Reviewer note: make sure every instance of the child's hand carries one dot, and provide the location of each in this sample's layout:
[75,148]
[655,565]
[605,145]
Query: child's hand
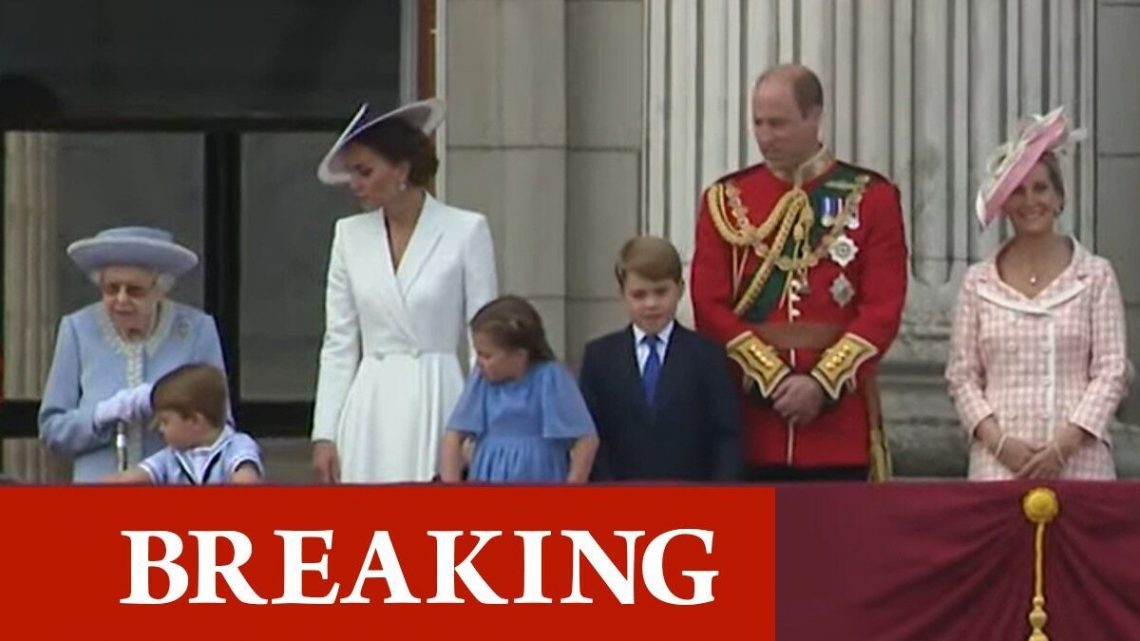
[451,456]
[134,476]
[582,459]
[468,451]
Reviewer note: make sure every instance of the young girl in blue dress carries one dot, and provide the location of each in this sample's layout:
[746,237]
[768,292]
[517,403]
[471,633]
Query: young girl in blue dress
[521,406]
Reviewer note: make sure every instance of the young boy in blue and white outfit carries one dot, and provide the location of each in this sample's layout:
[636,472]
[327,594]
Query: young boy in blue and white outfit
[201,449]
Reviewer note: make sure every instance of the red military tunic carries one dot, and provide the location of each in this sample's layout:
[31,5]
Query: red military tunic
[809,280]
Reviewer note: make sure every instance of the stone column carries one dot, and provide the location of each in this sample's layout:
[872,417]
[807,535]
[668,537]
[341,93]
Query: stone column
[605,58]
[30,314]
[506,140]
[920,90]
[1117,188]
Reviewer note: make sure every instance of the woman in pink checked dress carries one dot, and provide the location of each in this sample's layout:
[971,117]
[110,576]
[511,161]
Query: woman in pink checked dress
[1038,359]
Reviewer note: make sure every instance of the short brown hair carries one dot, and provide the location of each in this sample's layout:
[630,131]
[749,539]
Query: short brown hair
[513,323]
[397,141]
[191,389]
[806,87]
[650,257]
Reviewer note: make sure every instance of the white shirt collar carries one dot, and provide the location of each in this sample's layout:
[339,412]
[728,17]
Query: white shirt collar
[203,450]
[663,335]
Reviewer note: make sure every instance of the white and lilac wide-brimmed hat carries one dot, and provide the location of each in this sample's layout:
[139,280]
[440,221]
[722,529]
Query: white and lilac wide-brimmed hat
[425,115]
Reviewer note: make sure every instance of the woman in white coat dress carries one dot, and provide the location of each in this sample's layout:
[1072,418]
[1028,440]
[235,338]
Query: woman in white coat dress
[404,278]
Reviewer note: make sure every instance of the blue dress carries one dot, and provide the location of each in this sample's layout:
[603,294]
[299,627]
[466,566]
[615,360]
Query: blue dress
[91,363]
[524,428]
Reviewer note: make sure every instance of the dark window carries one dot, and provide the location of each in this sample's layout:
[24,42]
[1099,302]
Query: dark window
[208,119]
[207,58]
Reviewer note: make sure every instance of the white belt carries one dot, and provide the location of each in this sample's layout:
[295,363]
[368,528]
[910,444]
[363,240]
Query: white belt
[410,352]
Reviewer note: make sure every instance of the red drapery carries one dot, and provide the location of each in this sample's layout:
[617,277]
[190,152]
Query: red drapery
[954,561]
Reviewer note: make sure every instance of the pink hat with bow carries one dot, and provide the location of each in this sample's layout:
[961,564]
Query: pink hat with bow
[1012,161]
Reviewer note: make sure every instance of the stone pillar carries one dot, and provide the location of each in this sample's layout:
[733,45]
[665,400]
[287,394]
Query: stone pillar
[604,68]
[30,314]
[920,90]
[506,140]
[1117,188]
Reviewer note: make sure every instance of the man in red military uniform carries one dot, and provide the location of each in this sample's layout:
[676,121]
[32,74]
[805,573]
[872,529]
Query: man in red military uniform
[800,270]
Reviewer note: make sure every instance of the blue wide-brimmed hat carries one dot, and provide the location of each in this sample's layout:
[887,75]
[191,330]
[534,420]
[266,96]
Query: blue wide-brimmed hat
[425,115]
[147,247]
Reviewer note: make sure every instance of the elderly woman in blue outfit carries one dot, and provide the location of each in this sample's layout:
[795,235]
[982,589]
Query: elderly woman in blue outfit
[108,353]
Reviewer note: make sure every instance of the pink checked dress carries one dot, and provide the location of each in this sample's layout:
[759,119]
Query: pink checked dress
[1038,363]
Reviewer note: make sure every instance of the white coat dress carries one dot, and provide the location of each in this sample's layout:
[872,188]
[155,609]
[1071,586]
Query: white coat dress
[389,366]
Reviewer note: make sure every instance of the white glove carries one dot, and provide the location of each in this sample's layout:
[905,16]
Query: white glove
[139,410]
[112,410]
[129,405]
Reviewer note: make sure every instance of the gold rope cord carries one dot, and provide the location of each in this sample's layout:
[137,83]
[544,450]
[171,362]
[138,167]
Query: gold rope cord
[792,206]
[792,215]
[1040,506]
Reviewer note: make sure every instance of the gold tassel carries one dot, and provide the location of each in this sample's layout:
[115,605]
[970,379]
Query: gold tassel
[881,471]
[1040,506]
[881,468]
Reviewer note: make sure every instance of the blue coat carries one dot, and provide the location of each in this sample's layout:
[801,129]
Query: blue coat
[91,363]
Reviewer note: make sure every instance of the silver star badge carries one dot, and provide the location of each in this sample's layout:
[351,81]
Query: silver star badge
[843,250]
[842,291]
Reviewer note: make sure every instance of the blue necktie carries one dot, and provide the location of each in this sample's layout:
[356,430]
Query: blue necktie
[652,369]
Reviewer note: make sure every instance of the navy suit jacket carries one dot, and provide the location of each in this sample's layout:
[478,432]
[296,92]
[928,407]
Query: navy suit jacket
[691,433]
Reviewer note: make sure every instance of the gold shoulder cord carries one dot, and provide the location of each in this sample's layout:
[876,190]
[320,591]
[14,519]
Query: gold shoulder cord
[735,238]
[793,214]
[740,233]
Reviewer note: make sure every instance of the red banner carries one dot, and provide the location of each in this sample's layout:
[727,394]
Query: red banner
[402,562]
[958,561]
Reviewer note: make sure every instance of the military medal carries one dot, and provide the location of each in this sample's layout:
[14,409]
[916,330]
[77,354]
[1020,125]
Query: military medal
[843,250]
[831,209]
[842,291]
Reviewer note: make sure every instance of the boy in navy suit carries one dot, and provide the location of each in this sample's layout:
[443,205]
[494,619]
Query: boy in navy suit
[661,395]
